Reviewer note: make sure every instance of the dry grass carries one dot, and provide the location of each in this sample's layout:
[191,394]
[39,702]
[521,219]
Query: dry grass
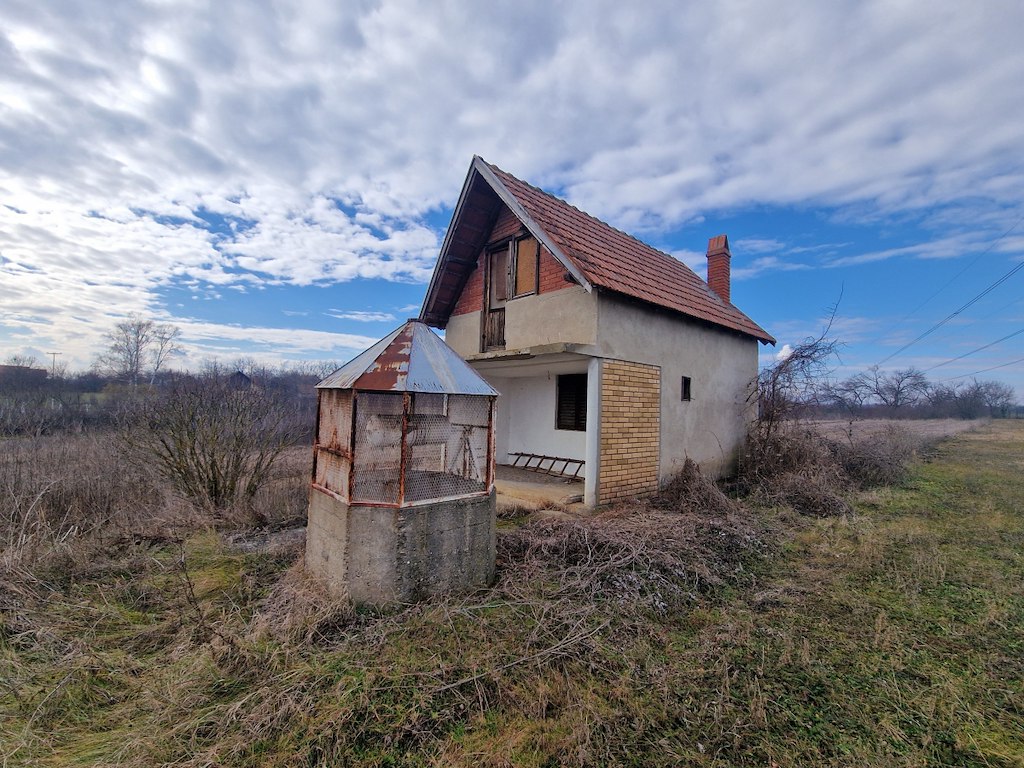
[815,467]
[927,430]
[692,630]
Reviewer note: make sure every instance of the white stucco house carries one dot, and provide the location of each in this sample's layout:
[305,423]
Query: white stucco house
[605,351]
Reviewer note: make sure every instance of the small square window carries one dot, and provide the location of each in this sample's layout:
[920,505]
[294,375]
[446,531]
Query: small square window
[571,412]
[686,388]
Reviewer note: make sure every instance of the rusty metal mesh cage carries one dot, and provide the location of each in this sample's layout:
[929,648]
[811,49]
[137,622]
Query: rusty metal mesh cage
[377,454]
[447,443]
[333,457]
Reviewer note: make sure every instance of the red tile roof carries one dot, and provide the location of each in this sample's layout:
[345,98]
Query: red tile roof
[611,259]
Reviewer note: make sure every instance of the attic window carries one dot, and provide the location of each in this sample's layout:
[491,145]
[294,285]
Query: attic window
[525,252]
[686,389]
[572,402]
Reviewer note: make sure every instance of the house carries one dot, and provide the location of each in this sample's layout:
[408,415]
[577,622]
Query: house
[605,350]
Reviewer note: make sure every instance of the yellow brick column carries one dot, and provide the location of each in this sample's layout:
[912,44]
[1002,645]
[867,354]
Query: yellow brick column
[630,430]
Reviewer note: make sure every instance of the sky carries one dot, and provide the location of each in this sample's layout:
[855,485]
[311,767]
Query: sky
[275,178]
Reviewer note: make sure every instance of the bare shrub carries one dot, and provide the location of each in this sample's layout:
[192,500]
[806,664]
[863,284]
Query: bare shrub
[787,461]
[633,553]
[56,491]
[217,444]
[810,494]
[881,459]
[690,490]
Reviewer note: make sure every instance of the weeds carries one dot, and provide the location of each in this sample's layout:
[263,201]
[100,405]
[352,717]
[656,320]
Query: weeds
[691,630]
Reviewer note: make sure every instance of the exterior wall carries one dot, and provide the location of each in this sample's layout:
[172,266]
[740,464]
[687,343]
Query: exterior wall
[629,430]
[382,555]
[711,427]
[531,427]
[567,315]
[463,334]
[524,421]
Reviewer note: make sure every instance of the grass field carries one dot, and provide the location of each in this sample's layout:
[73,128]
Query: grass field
[892,637]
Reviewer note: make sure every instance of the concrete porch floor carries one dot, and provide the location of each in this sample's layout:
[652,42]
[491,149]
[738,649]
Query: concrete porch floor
[534,490]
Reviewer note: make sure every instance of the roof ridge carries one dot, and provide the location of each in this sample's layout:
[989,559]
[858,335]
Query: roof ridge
[634,238]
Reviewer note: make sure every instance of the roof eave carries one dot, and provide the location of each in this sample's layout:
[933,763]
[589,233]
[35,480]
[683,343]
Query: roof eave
[442,259]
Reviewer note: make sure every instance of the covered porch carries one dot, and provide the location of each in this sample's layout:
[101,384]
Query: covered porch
[549,406]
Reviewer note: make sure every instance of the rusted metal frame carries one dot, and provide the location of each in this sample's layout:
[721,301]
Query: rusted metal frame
[490,442]
[423,502]
[316,436]
[352,445]
[404,456]
[381,504]
[418,502]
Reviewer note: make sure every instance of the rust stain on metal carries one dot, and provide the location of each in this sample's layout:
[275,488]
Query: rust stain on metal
[391,369]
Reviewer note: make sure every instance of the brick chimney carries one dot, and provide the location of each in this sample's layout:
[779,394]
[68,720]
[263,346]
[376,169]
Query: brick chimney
[718,266]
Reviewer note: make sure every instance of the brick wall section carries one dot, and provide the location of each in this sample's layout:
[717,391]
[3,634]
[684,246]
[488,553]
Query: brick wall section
[472,297]
[506,225]
[552,274]
[630,430]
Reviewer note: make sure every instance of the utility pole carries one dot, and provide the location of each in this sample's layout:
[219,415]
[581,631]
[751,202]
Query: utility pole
[53,370]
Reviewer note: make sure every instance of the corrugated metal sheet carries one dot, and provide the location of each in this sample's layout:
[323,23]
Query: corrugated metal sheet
[411,358]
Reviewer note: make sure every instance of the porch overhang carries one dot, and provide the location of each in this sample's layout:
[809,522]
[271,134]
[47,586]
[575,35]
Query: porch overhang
[526,353]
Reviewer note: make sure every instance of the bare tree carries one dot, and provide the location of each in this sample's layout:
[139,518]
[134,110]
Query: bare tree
[851,394]
[898,388]
[792,384]
[998,397]
[165,345]
[136,344]
[21,361]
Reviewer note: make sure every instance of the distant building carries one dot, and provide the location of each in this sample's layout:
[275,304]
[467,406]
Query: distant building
[20,377]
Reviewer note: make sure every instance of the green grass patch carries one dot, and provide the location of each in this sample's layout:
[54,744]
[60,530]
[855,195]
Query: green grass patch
[892,637]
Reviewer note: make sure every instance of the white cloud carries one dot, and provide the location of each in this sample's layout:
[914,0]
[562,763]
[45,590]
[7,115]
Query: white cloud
[765,264]
[325,133]
[362,316]
[784,352]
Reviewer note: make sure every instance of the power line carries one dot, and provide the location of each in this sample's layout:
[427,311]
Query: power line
[979,349]
[950,316]
[985,370]
[974,261]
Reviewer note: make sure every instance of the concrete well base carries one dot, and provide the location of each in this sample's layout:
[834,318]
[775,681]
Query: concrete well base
[383,555]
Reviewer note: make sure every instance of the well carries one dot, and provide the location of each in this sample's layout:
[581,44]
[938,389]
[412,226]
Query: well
[402,499]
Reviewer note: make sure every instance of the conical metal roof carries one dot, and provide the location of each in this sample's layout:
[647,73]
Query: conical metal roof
[411,358]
